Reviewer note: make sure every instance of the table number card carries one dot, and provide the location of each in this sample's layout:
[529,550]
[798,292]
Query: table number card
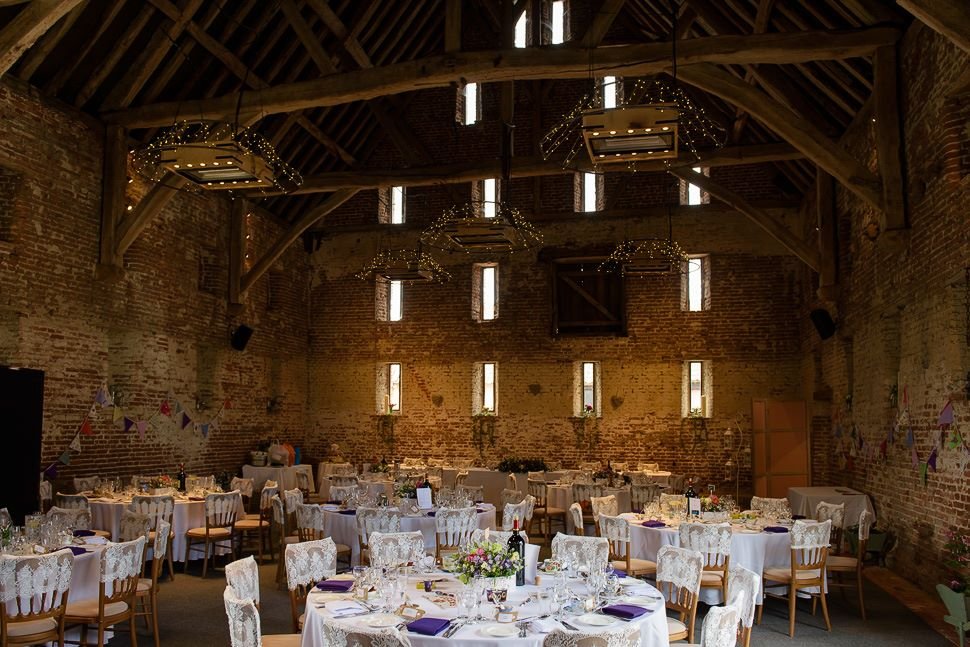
[424,498]
[695,506]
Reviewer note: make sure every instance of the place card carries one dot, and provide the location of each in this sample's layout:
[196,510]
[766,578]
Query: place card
[409,612]
[424,498]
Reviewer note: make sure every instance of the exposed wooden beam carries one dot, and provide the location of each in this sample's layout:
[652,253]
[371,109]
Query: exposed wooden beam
[341,32]
[826,226]
[796,130]
[763,16]
[452,25]
[113,183]
[116,52]
[521,167]
[307,37]
[67,69]
[27,26]
[43,47]
[602,21]
[889,141]
[147,208]
[948,17]
[518,64]
[291,235]
[805,252]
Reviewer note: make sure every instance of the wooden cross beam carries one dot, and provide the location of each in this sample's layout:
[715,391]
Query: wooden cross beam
[889,140]
[27,26]
[948,17]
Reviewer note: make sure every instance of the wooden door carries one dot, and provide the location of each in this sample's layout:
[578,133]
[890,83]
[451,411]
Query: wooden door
[780,450]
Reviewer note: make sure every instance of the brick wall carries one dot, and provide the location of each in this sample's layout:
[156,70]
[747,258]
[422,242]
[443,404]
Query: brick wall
[902,319]
[154,332]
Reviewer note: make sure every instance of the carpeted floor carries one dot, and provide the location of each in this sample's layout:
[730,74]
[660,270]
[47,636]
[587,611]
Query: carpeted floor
[192,614]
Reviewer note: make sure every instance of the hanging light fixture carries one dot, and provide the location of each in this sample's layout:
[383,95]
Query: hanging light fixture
[405,265]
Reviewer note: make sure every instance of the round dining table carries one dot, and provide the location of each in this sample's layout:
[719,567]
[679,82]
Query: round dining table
[524,600]
[342,526]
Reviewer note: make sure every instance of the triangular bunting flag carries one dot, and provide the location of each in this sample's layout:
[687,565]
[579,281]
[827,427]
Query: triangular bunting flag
[955,440]
[185,420]
[205,429]
[922,473]
[102,397]
[142,426]
[165,408]
[909,437]
[117,415]
[129,423]
[51,471]
[946,415]
[65,458]
[914,457]
[86,428]
[931,461]
[75,445]
[227,404]
[178,408]
[93,411]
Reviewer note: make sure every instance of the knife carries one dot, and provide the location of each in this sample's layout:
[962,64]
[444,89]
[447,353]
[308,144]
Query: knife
[567,625]
[455,627]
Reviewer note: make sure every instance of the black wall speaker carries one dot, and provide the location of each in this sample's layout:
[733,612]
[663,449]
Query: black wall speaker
[823,322]
[240,337]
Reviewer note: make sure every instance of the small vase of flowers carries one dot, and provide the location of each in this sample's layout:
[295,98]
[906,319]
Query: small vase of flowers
[489,559]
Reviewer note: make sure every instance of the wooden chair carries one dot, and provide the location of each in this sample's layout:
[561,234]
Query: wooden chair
[742,592]
[146,595]
[283,536]
[836,512]
[616,530]
[245,487]
[679,580]
[809,550]
[392,549]
[158,508]
[307,563]
[121,566]
[576,512]
[720,627]
[542,511]
[86,483]
[370,520]
[453,527]
[309,524]
[257,527]
[220,520]
[621,635]
[522,511]
[343,492]
[714,543]
[244,625]
[512,496]
[291,499]
[584,554]
[35,591]
[840,565]
[601,505]
[586,492]
[643,495]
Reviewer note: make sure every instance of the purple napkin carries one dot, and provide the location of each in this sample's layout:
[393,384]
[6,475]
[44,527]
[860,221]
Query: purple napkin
[347,512]
[619,573]
[653,523]
[796,517]
[77,550]
[335,586]
[334,502]
[775,529]
[431,514]
[625,611]
[429,626]
[84,533]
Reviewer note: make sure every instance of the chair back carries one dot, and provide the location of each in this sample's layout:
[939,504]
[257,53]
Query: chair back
[742,582]
[453,527]
[835,512]
[279,516]
[266,501]
[134,525]
[71,501]
[309,522]
[342,492]
[679,573]
[46,491]
[720,628]
[307,563]
[809,549]
[221,509]
[712,541]
[537,488]
[303,480]
[521,511]
[772,508]
[244,629]
[512,496]
[643,495]
[160,549]
[640,478]
[475,493]
[586,554]
[603,505]
[623,635]
[865,526]
[590,466]
[586,491]
[291,499]
[395,548]
[34,587]
[460,478]
[616,531]
[677,482]
[86,483]
[121,566]
[648,467]
[158,508]
[371,520]
[342,481]
[576,512]
[243,576]
[76,519]
[244,485]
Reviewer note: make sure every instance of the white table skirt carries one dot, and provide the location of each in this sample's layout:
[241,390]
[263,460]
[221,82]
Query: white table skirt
[561,496]
[285,476]
[804,500]
[653,626]
[343,528]
[754,551]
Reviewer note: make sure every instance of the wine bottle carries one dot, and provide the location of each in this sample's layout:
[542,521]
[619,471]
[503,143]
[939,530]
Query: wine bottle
[693,502]
[517,544]
[181,477]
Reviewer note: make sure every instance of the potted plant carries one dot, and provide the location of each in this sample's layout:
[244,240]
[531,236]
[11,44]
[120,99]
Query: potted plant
[954,593]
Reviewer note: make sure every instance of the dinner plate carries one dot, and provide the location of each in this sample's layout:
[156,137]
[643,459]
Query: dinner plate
[630,581]
[646,601]
[381,621]
[595,620]
[500,631]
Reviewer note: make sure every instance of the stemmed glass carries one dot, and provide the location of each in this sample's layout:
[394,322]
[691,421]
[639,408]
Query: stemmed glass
[560,599]
[479,584]
[467,601]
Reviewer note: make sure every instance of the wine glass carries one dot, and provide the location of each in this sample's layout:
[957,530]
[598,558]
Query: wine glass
[479,584]
[467,602]
[560,599]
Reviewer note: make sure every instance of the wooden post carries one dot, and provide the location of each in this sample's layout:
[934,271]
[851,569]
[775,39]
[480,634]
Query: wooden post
[826,225]
[237,245]
[452,25]
[889,142]
[113,182]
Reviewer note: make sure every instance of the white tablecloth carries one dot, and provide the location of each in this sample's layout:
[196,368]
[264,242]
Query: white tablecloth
[653,626]
[494,482]
[561,496]
[285,476]
[804,499]
[343,528]
[753,550]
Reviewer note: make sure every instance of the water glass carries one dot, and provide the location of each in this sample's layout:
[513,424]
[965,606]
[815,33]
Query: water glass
[467,601]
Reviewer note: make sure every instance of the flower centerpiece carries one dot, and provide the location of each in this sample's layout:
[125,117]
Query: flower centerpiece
[712,503]
[491,559]
[515,465]
[379,468]
[405,490]
[162,484]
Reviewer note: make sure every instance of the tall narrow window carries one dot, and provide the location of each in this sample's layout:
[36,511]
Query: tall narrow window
[610,84]
[489,292]
[589,386]
[695,293]
[691,194]
[696,386]
[558,22]
[488,386]
[489,198]
[469,104]
[586,389]
[589,192]
[395,298]
[522,30]
[393,387]
[698,389]
[397,205]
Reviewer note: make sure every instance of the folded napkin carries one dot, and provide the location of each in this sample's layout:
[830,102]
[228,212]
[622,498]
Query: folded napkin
[775,529]
[619,573]
[431,514]
[84,533]
[543,626]
[346,512]
[429,626]
[653,523]
[335,586]
[77,550]
[346,609]
[625,611]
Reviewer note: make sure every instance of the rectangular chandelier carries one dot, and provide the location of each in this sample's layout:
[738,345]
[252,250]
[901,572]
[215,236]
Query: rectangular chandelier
[631,133]
[217,165]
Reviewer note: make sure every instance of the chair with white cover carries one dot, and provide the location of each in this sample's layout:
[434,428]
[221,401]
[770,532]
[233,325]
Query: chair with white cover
[303,481]
[521,511]
[835,512]
[220,521]
[622,636]
[307,563]
[86,483]
[713,541]
[771,508]
[809,550]
[134,525]
[474,493]
[601,505]
[840,565]
[538,488]
[342,492]
[510,495]
[586,554]
[120,572]
[45,493]
[453,527]
[33,597]
[586,492]
[370,520]
[243,576]
[258,526]
[291,499]
[461,477]
[158,508]
[501,536]
[590,466]
[309,525]
[245,487]
[576,512]
[73,518]
[146,596]
[340,480]
[616,530]
[244,625]
[742,593]
[648,467]
[679,573]
[643,495]
[720,628]
[71,501]
[282,535]
[390,549]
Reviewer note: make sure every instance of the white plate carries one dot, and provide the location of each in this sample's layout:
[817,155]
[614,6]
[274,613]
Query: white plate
[381,621]
[630,581]
[595,620]
[645,601]
[500,631]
